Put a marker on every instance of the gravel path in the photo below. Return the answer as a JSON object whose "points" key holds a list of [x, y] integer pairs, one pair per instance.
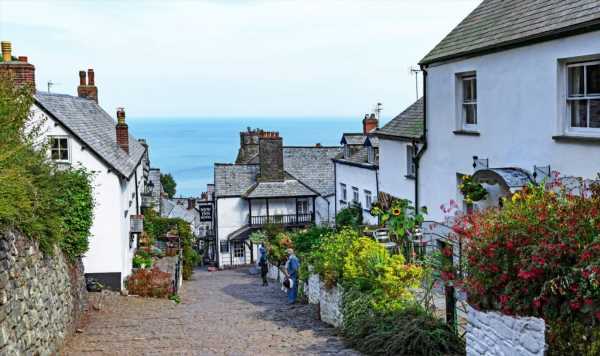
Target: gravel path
{"points": [[221, 313]]}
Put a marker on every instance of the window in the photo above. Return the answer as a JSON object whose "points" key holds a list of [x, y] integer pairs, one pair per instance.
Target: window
{"points": [[59, 148], [239, 249], [583, 95], [468, 88], [371, 154], [411, 168], [346, 151], [368, 199], [224, 246], [355, 197], [343, 192], [302, 206]]}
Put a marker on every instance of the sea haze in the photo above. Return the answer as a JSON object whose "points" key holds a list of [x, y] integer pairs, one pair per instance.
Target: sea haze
{"points": [[188, 148]]}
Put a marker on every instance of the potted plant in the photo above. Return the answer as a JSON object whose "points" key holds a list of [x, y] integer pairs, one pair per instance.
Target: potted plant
{"points": [[472, 191]]}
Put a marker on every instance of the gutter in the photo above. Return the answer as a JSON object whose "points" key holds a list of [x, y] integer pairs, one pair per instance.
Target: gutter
{"points": [[420, 152]]}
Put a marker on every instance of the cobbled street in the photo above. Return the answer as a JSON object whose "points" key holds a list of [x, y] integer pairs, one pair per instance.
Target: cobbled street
{"points": [[221, 313]]}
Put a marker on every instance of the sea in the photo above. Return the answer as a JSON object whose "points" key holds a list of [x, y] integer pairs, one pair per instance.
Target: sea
{"points": [[188, 147]]}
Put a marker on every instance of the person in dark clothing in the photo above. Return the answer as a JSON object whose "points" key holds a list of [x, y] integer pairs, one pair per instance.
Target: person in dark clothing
{"points": [[264, 265]]}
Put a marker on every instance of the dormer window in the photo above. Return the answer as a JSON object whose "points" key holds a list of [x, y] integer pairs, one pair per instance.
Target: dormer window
{"points": [[346, 151], [59, 148], [583, 96], [370, 154]]}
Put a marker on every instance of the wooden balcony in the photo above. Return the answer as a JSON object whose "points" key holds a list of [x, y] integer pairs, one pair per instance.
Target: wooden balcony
{"points": [[285, 220]]}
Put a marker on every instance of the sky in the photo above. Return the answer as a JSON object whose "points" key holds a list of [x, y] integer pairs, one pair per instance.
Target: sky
{"points": [[233, 58]]}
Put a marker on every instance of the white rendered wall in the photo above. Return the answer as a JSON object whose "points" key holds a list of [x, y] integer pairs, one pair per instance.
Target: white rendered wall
{"points": [[232, 214], [393, 170], [106, 245], [520, 106], [361, 178]]}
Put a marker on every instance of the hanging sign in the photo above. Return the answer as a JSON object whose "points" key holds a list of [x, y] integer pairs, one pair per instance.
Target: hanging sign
{"points": [[206, 213]]}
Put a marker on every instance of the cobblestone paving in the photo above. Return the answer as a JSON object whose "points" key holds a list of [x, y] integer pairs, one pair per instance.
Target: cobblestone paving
{"points": [[221, 313]]}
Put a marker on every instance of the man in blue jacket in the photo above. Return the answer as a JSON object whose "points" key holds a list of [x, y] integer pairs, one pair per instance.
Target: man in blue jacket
{"points": [[291, 267]]}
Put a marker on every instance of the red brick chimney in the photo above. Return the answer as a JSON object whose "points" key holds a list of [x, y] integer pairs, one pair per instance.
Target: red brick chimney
{"points": [[370, 123], [22, 72], [191, 203], [87, 89], [122, 130]]}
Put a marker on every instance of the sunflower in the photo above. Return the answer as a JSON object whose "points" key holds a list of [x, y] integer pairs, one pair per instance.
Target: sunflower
{"points": [[396, 211]]}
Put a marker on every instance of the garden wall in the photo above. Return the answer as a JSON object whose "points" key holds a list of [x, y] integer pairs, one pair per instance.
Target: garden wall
{"points": [[494, 334], [314, 289], [41, 297], [330, 302]]}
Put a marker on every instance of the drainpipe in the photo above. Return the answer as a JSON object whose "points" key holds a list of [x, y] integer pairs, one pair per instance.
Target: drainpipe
{"points": [[377, 190], [424, 137]]}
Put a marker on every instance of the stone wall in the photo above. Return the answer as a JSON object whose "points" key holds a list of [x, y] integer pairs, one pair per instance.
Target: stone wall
{"points": [[41, 297], [330, 301], [314, 289], [494, 334], [275, 273]]}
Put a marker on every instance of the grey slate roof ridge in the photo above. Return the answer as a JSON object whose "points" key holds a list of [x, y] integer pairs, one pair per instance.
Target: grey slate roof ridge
{"points": [[500, 24], [87, 121]]}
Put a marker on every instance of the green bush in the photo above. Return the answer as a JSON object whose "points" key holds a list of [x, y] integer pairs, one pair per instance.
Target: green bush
{"points": [[142, 258], [409, 331], [51, 206], [572, 338], [328, 258], [351, 216]]}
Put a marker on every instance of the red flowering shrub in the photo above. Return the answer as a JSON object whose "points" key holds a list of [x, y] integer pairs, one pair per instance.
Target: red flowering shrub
{"points": [[150, 283], [539, 255]]}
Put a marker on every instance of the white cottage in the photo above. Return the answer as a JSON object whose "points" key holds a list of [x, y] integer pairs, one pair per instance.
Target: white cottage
{"points": [[270, 184], [357, 170], [82, 134], [512, 93], [398, 144]]}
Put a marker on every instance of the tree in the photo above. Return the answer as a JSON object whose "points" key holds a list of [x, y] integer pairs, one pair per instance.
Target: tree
{"points": [[168, 184]]}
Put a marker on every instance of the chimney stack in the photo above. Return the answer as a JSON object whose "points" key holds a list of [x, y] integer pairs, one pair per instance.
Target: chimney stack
{"points": [[122, 130], [370, 123], [191, 204], [270, 147], [21, 72], [87, 90]]}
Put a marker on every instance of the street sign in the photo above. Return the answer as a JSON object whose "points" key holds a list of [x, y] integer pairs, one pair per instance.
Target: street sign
{"points": [[206, 212]]}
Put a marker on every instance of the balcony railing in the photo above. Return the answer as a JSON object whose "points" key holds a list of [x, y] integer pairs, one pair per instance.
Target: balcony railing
{"points": [[291, 219]]}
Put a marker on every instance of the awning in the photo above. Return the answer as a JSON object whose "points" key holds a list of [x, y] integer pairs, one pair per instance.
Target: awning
{"points": [[240, 234], [510, 178]]}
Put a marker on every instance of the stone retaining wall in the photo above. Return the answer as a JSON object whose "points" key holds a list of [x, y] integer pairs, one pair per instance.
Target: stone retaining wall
{"points": [[330, 302], [41, 297], [314, 289], [494, 334], [275, 273]]}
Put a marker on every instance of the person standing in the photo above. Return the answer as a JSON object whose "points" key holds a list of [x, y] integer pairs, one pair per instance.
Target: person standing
{"points": [[264, 265], [291, 268]]}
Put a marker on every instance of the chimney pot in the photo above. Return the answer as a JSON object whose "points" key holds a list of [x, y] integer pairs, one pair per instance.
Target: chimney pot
{"points": [[23, 59], [122, 130], [91, 77], [82, 80], [370, 123], [6, 51]]}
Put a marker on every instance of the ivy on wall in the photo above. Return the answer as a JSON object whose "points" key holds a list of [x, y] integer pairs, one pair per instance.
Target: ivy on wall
{"points": [[51, 206]]}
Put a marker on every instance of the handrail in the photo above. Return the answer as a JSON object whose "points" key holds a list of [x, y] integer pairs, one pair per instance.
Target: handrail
{"points": [[287, 219]]}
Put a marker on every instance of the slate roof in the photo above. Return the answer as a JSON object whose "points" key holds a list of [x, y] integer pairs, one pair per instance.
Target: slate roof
{"points": [[360, 157], [94, 127], [234, 179], [497, 24], [311, 167], [170, 209], [287, 188], [353, 138], [407, 125]]}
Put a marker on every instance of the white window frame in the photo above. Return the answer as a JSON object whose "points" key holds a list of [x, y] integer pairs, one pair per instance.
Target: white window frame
{"points": [[411, 168], [302, 206], [239, 248], [344, 192], [585, 96], [462, 103], [355, 195], [60, 137], [368, 199]]}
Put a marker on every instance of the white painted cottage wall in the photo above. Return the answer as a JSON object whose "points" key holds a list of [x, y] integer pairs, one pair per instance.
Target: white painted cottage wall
{"points": [[360, 178], [520, 106], [393, 170], [232, 213], [109, 241]]}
